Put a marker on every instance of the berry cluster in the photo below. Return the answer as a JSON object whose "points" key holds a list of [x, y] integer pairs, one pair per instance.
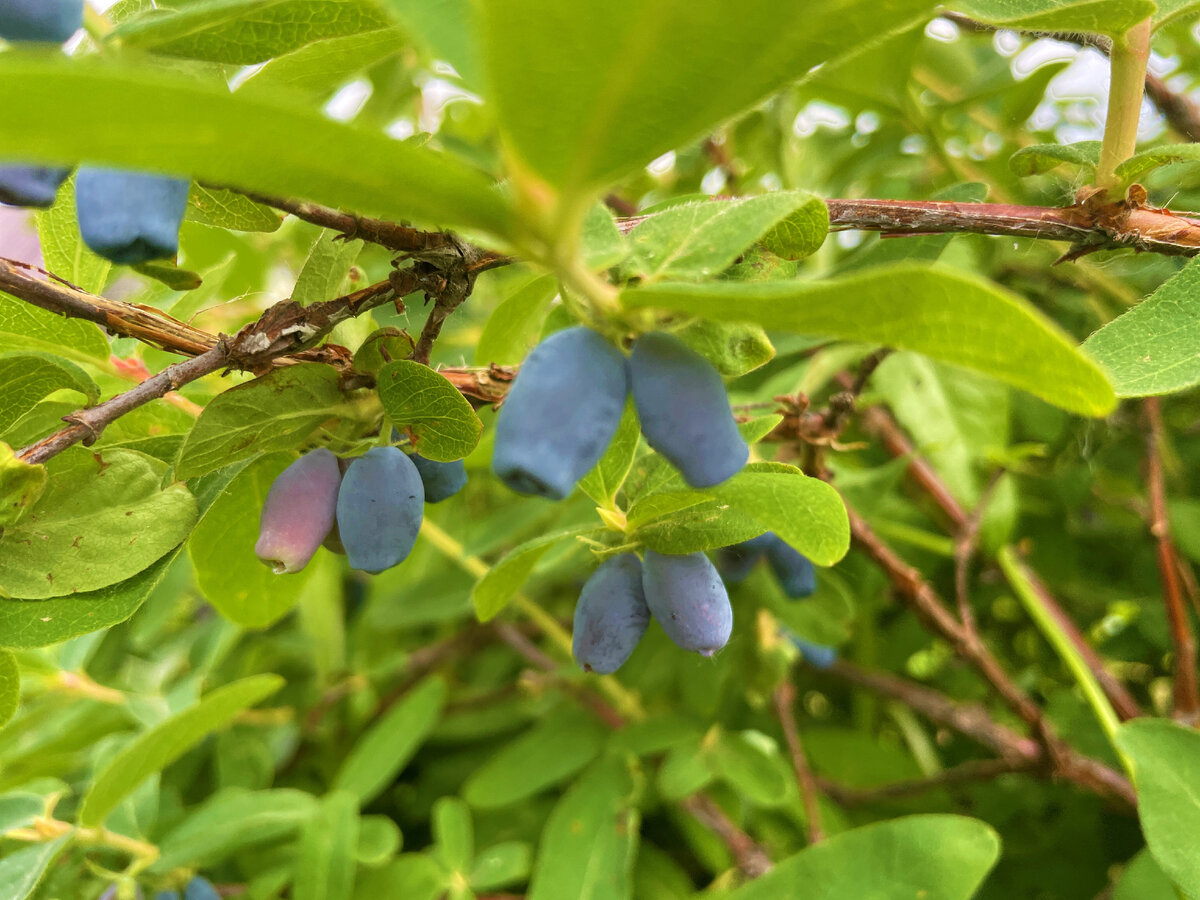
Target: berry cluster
{"points": [[126, 217], [370, 508], [559, 418], [198, 888]]}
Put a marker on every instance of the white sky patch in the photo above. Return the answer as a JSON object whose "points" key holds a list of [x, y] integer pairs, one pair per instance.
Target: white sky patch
{"points": [[942, 30], [662, 165], [818, 114], [349, 100]]}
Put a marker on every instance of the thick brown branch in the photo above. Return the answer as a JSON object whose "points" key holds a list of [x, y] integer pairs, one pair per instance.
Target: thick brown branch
{"points": [[1187, 698]]}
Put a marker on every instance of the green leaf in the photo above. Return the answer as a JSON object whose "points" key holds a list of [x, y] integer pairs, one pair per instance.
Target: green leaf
{"points": [[379, 840], [386, 747], [221, 548], [413, 876], [542, 757], [98, 522], [697, 240], [603, 481], [438, 419], [315, 70], [20, 809], [326, 268], [1148, 160], [254, 143], [229, 209], [25, 325], [935, 310], [21, 484], [63, 249], [438, 26], [230, 821], [515, 325], [1166, 773], [735, 348], [1151, 349], [587, 846], [931, 857], [243, 32], [684, 771], [1144, 880], [504, 579], [157, 748], [501, 864], [602, 243], [21, 870], [1172, 11], [453, 834], [325, 860], [751, 766], [275, 412], [758, 428], [617, 86], [1111, 17], [370, 357], [168, 273], [10, 687], [1042, 158], [29, 623], [687, 521]]}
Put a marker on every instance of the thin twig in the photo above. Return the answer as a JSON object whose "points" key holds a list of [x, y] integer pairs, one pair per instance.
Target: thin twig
{"points": [[973, 770], [1187, 692], [964, 550], [751, 859], [785, 704]]}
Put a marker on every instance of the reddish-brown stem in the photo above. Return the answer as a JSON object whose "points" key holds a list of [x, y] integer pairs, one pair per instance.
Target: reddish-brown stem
{"points": [[785, 706], [973, 770], [752, 860], [1187, 692]]}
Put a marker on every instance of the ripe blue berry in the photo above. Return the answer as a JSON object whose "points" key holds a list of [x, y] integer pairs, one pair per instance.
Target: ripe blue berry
{"points": [[45, 21], [611, 615], [31, 185], [684, 410], [299, 511], [200, 889], [560, 414], [130, 217], [687, 597], [735, 561], [441, 479], [792, 569], [379, 509]]}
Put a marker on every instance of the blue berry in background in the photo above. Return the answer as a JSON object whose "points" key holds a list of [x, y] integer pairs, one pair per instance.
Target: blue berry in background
{"points": [[792, 569], [200, 889], [737, 560], [442, 480], [688, 599], [130, 217], [31, 185], [819, 656], [379, 509], [684, 410], [299, 511], [45, 21], [611, 615], [167, 895], [561, 413]]}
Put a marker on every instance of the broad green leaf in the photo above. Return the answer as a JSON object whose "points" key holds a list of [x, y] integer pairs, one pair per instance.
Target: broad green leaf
{"points": [[379, 840], [63, 249], [228, 209], [930, 857], [501, 864], [1144, 880], [453, 834], [10, 686], [1151, 349], [19, 809], [383, 751], [1112, 17], [735, 348], [157, 748], [275, 412], [698, 240], [21, 484], [317, 69], [504, 579], [244, 32], [758, 428], [588, 844], [616, 86], [441, 28], [542, 757], [21, 870], [25, 325], [99, 521], [687, 521], [603, 481], [684, 771], [380, 347], [230, 821], [325, 269], [241, 586], [40, 623], [438, 419], [514, 326], [935, 310], [1166, 773], [413, 876], [325, 859], [1043, 157], [745, 761], [602, 243], [1172, 11], [1148, 160], [251, 142]]}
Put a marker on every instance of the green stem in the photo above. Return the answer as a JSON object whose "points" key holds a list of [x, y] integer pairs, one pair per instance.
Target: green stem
{"points": [[1127, 85], [1060, 641]]}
